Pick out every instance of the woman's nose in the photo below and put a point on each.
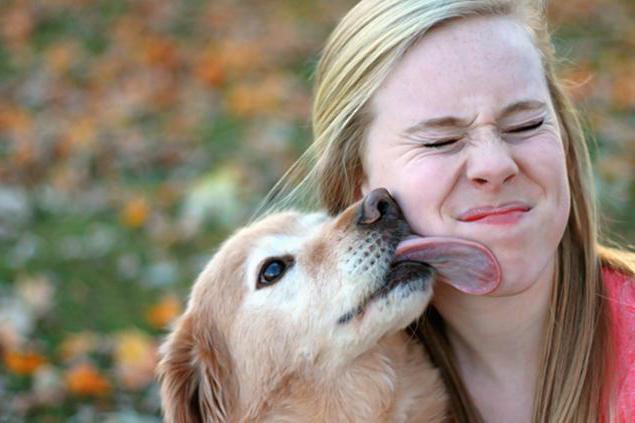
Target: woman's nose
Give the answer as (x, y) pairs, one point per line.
(491, 164)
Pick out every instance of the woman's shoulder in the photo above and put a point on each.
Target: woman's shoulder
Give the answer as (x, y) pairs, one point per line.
(620, 287)
(618, 274)
(620, 291)
(620, 295)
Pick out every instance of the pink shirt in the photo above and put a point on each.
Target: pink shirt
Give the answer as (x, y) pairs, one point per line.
(621, 295)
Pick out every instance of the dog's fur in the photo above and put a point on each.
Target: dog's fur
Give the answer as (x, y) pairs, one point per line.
(313, 347)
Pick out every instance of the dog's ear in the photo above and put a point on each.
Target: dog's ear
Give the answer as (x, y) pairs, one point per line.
(195, 375)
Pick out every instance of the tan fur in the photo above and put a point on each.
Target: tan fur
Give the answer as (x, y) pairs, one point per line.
(227, 361)
(390, 383)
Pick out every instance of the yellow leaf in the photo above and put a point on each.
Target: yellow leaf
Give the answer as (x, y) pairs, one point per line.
(135, 359)
(133, 347)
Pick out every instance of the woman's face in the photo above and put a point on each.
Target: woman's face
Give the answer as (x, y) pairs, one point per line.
(465, 137)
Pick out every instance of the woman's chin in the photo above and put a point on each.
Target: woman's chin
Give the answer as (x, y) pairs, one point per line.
(521, 277)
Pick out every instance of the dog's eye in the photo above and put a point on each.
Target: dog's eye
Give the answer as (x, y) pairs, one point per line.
(273, 270)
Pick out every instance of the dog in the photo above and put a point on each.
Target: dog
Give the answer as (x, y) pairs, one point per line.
(300, 318)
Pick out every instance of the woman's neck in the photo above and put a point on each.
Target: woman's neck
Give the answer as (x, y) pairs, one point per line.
(498, 342)
(497, 336)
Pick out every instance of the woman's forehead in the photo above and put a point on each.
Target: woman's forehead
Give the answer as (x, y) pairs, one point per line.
(464, 66)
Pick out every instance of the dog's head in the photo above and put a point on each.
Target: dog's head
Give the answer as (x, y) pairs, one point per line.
(293, 293)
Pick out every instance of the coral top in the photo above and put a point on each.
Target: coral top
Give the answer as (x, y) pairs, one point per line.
(621, 294)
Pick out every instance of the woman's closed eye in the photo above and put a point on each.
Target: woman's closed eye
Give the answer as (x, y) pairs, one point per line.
(441, 143)
(531, 126)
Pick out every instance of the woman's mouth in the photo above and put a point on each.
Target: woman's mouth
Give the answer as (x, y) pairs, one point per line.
(504, 214)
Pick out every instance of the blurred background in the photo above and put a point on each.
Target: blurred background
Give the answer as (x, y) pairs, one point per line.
(135, 135)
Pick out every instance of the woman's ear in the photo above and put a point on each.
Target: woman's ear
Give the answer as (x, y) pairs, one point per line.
(195, 375)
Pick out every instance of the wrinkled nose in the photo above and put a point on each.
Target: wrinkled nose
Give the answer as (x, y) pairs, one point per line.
(491, 165)
(378, 206)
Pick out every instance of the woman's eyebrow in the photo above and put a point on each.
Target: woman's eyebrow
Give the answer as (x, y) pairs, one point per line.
(450, 122)
(522, 106)
(444, 122)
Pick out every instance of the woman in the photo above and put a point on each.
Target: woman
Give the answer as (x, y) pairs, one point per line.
(455, 108)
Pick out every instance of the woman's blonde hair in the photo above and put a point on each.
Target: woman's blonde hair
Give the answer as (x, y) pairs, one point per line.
(358, 56)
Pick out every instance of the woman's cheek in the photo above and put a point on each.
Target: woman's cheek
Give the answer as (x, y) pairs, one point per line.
(543, 161)
(421, 187)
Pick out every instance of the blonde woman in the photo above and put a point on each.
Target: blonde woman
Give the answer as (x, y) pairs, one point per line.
(454, 106)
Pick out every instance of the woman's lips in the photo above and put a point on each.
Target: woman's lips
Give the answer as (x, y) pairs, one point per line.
(506, 213)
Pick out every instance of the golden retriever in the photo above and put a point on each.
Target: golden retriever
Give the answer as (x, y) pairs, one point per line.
(299, 318)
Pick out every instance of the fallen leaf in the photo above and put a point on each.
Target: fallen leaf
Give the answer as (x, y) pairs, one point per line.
(36, 292)
(85, 380)
(135, 359)
(77, 345)
(164, 312)
(135, 212)
(23, 362)
(263, 97)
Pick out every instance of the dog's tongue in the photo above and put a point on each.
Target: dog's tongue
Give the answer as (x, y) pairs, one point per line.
(466, 265)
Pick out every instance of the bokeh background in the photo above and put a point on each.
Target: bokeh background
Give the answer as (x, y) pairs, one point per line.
(134, 135)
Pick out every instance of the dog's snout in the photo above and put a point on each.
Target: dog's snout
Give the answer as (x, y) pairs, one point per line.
(377, 206)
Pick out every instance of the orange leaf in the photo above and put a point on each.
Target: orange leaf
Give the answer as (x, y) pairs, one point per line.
(164, 312)
(251, 99)
(61, 57)
(239, 57)
(209, 70)
(81, 132)
(135, 213)
(624, 87)
(84, 379)
(160, 51)
(14, 119)
(18, 23)
(228, 59)
(571, 11)
(23, 363)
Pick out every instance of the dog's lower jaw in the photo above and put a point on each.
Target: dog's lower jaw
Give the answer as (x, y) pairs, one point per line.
(392, 382)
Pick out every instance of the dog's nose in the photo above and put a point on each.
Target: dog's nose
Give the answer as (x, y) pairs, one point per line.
(376, 206)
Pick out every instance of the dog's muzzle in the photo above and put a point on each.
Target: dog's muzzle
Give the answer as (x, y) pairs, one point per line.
(379, 214)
